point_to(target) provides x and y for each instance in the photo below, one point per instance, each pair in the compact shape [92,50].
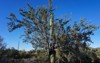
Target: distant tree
[2,44]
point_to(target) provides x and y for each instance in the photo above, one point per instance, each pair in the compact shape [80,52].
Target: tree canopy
[71,40]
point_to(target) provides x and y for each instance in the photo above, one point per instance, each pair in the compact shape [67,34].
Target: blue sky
[89,9]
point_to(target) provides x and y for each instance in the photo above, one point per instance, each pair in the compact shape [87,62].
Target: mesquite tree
[41,29]
[37,25]
[73,40]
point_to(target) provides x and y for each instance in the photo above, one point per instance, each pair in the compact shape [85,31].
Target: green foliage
[41,55]
[35,23]
[71,40]
[15,54]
